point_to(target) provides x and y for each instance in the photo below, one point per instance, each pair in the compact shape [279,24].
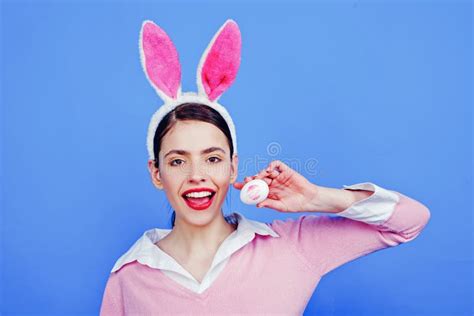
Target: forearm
[331,200]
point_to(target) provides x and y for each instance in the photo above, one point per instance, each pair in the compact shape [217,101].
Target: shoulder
[127,268]
[140,248]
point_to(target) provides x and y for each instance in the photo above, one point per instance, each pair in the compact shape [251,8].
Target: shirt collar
[146,252]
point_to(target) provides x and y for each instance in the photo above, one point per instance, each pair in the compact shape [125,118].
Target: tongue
[199,201]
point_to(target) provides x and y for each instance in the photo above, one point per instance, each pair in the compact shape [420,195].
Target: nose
[197,174]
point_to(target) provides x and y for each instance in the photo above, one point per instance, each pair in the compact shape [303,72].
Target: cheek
[220,170]
[221,175]
[171,181]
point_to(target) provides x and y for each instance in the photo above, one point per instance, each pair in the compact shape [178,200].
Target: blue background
[370,90]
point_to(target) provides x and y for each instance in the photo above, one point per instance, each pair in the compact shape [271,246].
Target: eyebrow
[184,152]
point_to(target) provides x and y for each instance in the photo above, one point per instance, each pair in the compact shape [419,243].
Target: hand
[289,190]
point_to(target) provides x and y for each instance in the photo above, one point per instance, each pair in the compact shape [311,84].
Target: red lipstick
[199,203]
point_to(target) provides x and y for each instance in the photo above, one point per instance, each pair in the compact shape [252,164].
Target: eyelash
[174,165]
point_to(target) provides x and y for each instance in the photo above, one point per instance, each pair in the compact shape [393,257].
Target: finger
[238,185]
[262,175]
[267,180]
[272,196]
[278,165]
[272,174]
[255,176]
[249,178]
[267,173]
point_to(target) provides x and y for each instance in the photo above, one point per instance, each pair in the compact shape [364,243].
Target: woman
[213,264]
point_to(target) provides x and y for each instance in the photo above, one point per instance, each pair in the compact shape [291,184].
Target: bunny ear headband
[215,74]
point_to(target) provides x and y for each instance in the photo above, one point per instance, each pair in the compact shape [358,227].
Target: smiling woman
[193,126]
[207,260]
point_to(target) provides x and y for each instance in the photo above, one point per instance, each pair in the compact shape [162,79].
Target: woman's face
[194,154]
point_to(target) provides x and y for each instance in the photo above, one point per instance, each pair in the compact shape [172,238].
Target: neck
[200,242]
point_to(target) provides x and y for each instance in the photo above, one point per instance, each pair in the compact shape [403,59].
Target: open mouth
[199,203]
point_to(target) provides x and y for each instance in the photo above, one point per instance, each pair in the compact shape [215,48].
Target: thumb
[273,204]
[265,203]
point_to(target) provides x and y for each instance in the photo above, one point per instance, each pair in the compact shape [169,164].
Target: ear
[220,61]
[160,62]
[155,175]
[234,168]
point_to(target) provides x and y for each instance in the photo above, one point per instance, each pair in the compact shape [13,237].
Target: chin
[201,216]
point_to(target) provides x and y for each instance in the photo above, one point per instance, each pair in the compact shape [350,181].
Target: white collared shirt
[374,209]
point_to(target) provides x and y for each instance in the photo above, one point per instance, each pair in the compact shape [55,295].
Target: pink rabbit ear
[160,61]
[220,62]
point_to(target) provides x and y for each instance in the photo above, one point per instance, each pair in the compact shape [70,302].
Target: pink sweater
[268,275]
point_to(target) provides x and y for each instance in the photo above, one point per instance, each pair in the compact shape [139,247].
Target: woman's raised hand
[289,190]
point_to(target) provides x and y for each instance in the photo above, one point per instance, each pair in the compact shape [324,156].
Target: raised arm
[367,220]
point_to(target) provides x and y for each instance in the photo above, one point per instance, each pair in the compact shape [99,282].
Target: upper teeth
[199,194]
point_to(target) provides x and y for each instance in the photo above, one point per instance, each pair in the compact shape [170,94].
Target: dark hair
[187,112]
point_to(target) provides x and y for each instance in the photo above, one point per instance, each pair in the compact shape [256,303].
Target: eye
[215,159]
[173,164]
